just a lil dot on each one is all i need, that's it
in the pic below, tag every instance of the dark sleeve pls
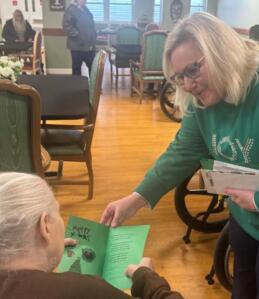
(8, 32)
(69, 24)
(30, 33)
(149, 285)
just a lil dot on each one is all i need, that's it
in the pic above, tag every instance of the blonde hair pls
(232, 61)
(23, 199)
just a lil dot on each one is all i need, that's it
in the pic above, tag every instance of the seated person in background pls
(254, 32)
(18, 29)
(32, 243)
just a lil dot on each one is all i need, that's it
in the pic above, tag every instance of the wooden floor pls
(127, 140)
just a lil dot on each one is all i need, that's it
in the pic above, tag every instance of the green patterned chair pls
(73, 142)
(128, 36)
(20, 148)
(149, 69)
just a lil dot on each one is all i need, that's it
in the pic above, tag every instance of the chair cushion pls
(62, 142)
(45, 158)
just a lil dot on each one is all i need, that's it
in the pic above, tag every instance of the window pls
(197, 5)
(111, 11)
(157, 11)
(97, 9)
(120, 10)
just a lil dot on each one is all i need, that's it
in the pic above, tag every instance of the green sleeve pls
(180, 160)
(256, 200)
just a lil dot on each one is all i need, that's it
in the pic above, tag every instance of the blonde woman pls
(215, 72)
(18, 29)
(32, 243)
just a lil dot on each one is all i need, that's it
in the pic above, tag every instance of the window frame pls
(160, 5)
(203, 7)
(106, 13)
(103, 3)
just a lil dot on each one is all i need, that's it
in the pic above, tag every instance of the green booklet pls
(102, 250)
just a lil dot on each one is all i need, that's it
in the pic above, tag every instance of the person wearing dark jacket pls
(18, 29)
(32, 244)
(78, 24)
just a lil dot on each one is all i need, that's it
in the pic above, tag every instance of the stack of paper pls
(218, 176)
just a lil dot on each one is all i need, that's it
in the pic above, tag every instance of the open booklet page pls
(218, 176)
(103, 251)
(125, 246)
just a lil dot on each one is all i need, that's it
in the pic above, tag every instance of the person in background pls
(78, 24)
(215, 72)
(32, 244)
(18, 29)
(254, 32)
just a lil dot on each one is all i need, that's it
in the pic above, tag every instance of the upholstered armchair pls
(33, 59)
(149, 69)
(20, 148)
(73, 142)
(127, 47)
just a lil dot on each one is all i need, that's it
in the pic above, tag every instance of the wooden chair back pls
(128, 35)
(152, 52)
(20, 128)
(32, 61)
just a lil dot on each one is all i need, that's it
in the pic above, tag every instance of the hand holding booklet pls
(218, 176)
(102, 250)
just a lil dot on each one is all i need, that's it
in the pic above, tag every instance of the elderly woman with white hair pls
(18, 29)
(32, 243)
(215, 72)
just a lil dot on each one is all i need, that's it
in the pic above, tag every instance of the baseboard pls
(59, 71)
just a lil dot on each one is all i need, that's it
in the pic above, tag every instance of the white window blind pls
(97, 9)
(120, 10)
(197, 5)
(157, 11)
(111, 11)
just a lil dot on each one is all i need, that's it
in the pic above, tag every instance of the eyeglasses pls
(191, 71)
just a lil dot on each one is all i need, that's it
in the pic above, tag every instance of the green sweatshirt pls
(223, 132)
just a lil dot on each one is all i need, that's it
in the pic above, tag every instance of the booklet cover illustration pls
(102, 250)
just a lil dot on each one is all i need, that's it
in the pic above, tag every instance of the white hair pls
(23, 199)
(232, 61)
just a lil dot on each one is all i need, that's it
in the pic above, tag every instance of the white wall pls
(239, 13)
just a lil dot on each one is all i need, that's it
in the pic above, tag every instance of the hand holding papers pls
(103, 251)
(219, 176)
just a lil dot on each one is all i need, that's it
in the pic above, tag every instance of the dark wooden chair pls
(32, 59)
(20, 148)
(125, 36)
(73, 142)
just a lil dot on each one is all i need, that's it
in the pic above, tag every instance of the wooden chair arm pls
(68, 127)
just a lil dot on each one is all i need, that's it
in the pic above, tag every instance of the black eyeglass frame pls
(191, 71)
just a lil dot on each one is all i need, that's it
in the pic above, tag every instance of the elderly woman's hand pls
(145, 262)
(70, 242)
(243, 198)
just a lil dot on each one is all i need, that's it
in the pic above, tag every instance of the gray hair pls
(232, 60)
(23, 199)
